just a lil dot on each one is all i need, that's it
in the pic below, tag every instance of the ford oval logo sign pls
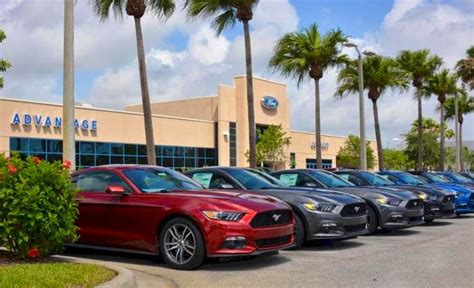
(269, 102)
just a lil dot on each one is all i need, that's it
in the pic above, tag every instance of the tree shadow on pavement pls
(244, 263)
(436, 223)
(463, 217)
(330, 245)
(394, 233)
(113, 256)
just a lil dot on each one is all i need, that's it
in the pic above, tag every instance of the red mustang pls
(156, 210)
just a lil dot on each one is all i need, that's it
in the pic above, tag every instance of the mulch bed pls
(7, 258)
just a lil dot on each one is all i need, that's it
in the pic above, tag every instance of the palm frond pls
(163, 9)
(102, 8)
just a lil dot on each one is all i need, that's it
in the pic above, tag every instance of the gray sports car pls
(319, 214)
(388, 210)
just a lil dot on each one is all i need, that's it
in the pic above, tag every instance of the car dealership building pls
(190, 133)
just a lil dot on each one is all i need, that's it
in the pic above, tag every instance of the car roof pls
(117, 167)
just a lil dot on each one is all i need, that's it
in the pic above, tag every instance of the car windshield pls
(152, 180)
(435, 178)
(374, 179)
(249, 180)
(267, 177)
(407, 178)
(455, 177)
(330, 180)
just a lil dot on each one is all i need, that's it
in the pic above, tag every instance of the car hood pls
(455, 187)
(319, 195)
(379, 191)
(235, 199)
(428, 190)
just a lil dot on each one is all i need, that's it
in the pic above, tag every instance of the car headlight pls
(389, 201)
(432, 197)
(319, 207)
(222, 215)
(422, 196)
(460, 194)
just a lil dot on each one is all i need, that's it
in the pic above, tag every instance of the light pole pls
(363, 153)
(69, 146)
(456, 125)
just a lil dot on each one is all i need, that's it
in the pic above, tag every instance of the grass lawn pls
(53, 274)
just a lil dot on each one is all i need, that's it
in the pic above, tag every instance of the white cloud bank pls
(107, 50)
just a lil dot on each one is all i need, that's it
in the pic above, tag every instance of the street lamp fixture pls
(369, 53)
(363, 153)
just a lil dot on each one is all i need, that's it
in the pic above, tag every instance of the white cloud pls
(34, 46)
(206, 48)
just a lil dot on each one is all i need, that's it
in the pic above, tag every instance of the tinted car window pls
(249, 180)
(160, 180)
(374, 179)
(330, 180)
(352, 179)
(393, 179)
(410, 179)
(203, 178)
(288, 179)
(98, 181)
(455, 177)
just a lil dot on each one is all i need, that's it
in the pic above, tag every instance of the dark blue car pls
(464, 194)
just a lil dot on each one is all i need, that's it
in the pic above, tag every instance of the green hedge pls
(37, 206)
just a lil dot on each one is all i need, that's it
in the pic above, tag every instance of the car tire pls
(181, 244)
(300, 233)
(372, 220)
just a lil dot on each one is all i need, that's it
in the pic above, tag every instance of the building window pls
(101, 153)
(233, 143)
(292, 160)
(311, 163)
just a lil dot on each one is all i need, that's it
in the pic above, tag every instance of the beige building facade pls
(189, 133)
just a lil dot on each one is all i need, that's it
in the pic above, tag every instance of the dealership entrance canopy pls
(190, 133)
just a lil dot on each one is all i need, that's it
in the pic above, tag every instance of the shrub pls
(37, 206)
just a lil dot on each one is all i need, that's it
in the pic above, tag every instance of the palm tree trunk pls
(250, 102)
(319, 160)
(461, 154)
(378, 136)
(150, 142)
(419, 165)
(441, 139)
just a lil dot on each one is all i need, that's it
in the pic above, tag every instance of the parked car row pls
(230, 211)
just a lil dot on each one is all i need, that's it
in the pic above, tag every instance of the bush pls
(37, 206)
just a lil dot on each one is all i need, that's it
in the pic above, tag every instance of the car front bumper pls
(435, 210)
(334, 226)
(256, 240)
(397, 217)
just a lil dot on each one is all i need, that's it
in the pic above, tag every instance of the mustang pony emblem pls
(356, 208)
(276, 217)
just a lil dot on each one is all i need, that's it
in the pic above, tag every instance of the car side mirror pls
(115, 189)
(225, 186)
(310, 184)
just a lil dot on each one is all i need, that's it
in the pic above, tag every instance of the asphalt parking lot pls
(437, 255)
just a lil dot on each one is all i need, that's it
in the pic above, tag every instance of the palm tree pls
(225, 14)
(465, 68)
(304, 54)
(441, 84)
(465, 106)
(380, 73)
(163, 9)
(420, 64)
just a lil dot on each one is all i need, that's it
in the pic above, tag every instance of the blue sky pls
(181, 51)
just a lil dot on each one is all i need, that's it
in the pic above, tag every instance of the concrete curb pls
(124, 278)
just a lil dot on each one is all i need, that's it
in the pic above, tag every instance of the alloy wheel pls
(179, 244)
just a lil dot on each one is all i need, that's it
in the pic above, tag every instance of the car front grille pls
(414, 204)
(448, 199)
(415, 219)
(352, 210)
(354, 228)
(272, 218)
(270, 242)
